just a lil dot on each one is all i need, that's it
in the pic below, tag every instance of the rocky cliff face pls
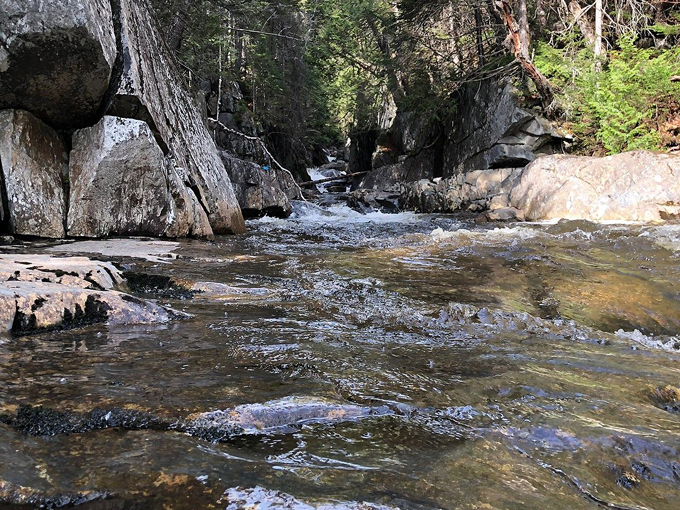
(150, 166)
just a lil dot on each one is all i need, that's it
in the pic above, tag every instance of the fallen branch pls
(675, 78)
(331, 179)
(264, 148)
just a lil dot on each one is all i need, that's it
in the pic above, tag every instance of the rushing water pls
(403, 361)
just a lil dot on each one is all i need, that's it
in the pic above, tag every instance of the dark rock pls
(476, 191)
(493, 130)
(122, 184)
(261, 192)
(56, 58)
(366, 201)
(33, 162)
(409, 169)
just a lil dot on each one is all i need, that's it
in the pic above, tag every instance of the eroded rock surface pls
(56, 58)
(152, 89)
(122, 184)
(633, 186)
(40, 293)
(493, 129)
(33, 162)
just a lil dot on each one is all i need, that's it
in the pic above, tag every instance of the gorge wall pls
(99, 134)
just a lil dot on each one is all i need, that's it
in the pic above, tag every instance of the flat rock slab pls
(32, 307)
(150, 250)
(78, 272)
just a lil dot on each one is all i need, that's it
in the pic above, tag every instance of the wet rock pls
(633, 186)
(152, 81)
(366, 201)
(56, 58)
(32, 307)
(261, 192)
(122, 184)
(260, 497)
(33, 162)
(504, 214)
(158, 286)
(19, 496)
(481, 189)
(40, 293)
(279, 416)
(493, 129)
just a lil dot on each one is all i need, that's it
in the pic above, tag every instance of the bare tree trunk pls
(178, 24)
(584, 24)
(598, 35)
(518, 35)
(480, 40)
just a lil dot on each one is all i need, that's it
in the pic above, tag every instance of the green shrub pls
(620, 103)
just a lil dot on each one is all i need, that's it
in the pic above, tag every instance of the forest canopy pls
(313, 71)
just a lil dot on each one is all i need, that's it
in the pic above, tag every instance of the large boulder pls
(122, 184)
(261, 192)
(152, 89)
(493, 129)
(33, 162)
(634, 186)
(56, 58)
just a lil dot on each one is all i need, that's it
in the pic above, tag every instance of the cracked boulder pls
(122, 184)
(56, 58)
(33, 162)
(633, 186)
(152, 89)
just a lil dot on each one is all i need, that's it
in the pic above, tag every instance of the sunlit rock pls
(121, 183)
(633, 186)
(152, 89)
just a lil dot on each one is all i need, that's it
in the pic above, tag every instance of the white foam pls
(311, 213)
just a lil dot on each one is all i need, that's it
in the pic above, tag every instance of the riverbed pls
(371, 361)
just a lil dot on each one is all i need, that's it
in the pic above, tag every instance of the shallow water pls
(365, 386)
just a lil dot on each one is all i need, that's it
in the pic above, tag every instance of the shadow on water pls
(522, 395)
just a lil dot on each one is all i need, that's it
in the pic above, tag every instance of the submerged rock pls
(56, 58)
(278, 416)
(633, 186)
(122, 184)
(33, 163)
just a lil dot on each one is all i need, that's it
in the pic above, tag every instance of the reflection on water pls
(491, 352)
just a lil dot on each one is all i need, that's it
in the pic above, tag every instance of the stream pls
(367, 362)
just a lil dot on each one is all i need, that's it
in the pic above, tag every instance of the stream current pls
(374, 361)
